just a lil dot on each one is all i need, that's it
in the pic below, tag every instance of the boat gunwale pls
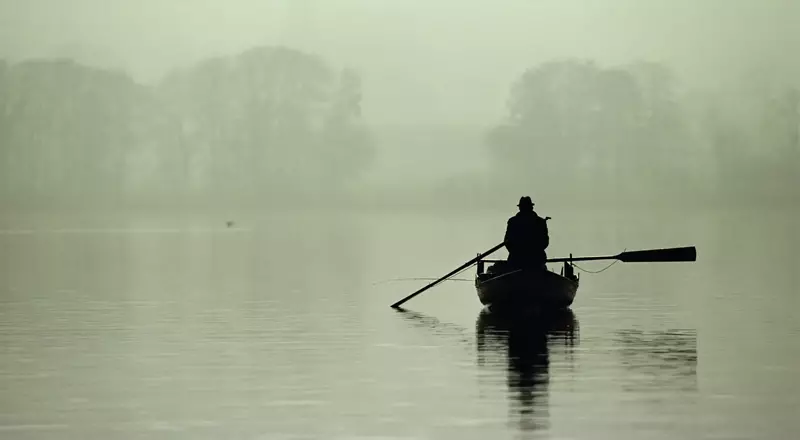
(478, 281)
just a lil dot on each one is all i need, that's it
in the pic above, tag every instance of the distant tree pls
(755, 138)
(5, 147)
(573, 120)
(781, 122)
(346, 144)
(66, 128)
(664, 134)
(778, 142)
(269, 119)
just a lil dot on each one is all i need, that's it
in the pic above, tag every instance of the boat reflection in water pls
(523, 347)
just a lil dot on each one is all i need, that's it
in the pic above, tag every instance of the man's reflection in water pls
(525, 344)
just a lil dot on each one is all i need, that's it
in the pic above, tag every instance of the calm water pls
(278, 327)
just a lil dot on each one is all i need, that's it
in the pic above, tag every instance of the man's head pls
(525, 204)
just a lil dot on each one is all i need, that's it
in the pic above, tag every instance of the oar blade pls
(679, 254)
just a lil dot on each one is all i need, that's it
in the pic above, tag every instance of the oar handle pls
(563, 260)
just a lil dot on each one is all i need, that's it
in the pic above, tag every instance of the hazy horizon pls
(207, 245)
(459, 60)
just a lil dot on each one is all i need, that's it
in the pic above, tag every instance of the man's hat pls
(525, 201)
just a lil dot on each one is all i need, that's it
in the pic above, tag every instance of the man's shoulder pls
(525, 218)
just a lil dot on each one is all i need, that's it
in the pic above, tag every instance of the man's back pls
(526, 234)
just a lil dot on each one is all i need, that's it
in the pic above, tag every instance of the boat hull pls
(526, 289)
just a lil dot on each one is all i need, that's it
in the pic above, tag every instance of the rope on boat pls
(596, 271)
(418, 279)
(601, 270)
(430, 279)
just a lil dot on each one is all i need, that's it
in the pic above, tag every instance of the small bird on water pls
(229, 223)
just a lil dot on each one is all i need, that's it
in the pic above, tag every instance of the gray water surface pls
(277, 327)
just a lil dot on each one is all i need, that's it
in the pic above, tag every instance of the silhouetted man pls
(527, 237)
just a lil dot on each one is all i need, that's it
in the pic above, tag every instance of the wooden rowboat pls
(505, 288)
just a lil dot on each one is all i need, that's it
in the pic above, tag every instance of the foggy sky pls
(422, 60)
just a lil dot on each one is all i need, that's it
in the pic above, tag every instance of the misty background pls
(206, 208)
(418, 104)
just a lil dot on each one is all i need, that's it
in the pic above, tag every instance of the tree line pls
(633, 133)
(273, 123)
(268, 122)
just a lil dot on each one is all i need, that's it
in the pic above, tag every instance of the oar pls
(458, 269)
(688, 253)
